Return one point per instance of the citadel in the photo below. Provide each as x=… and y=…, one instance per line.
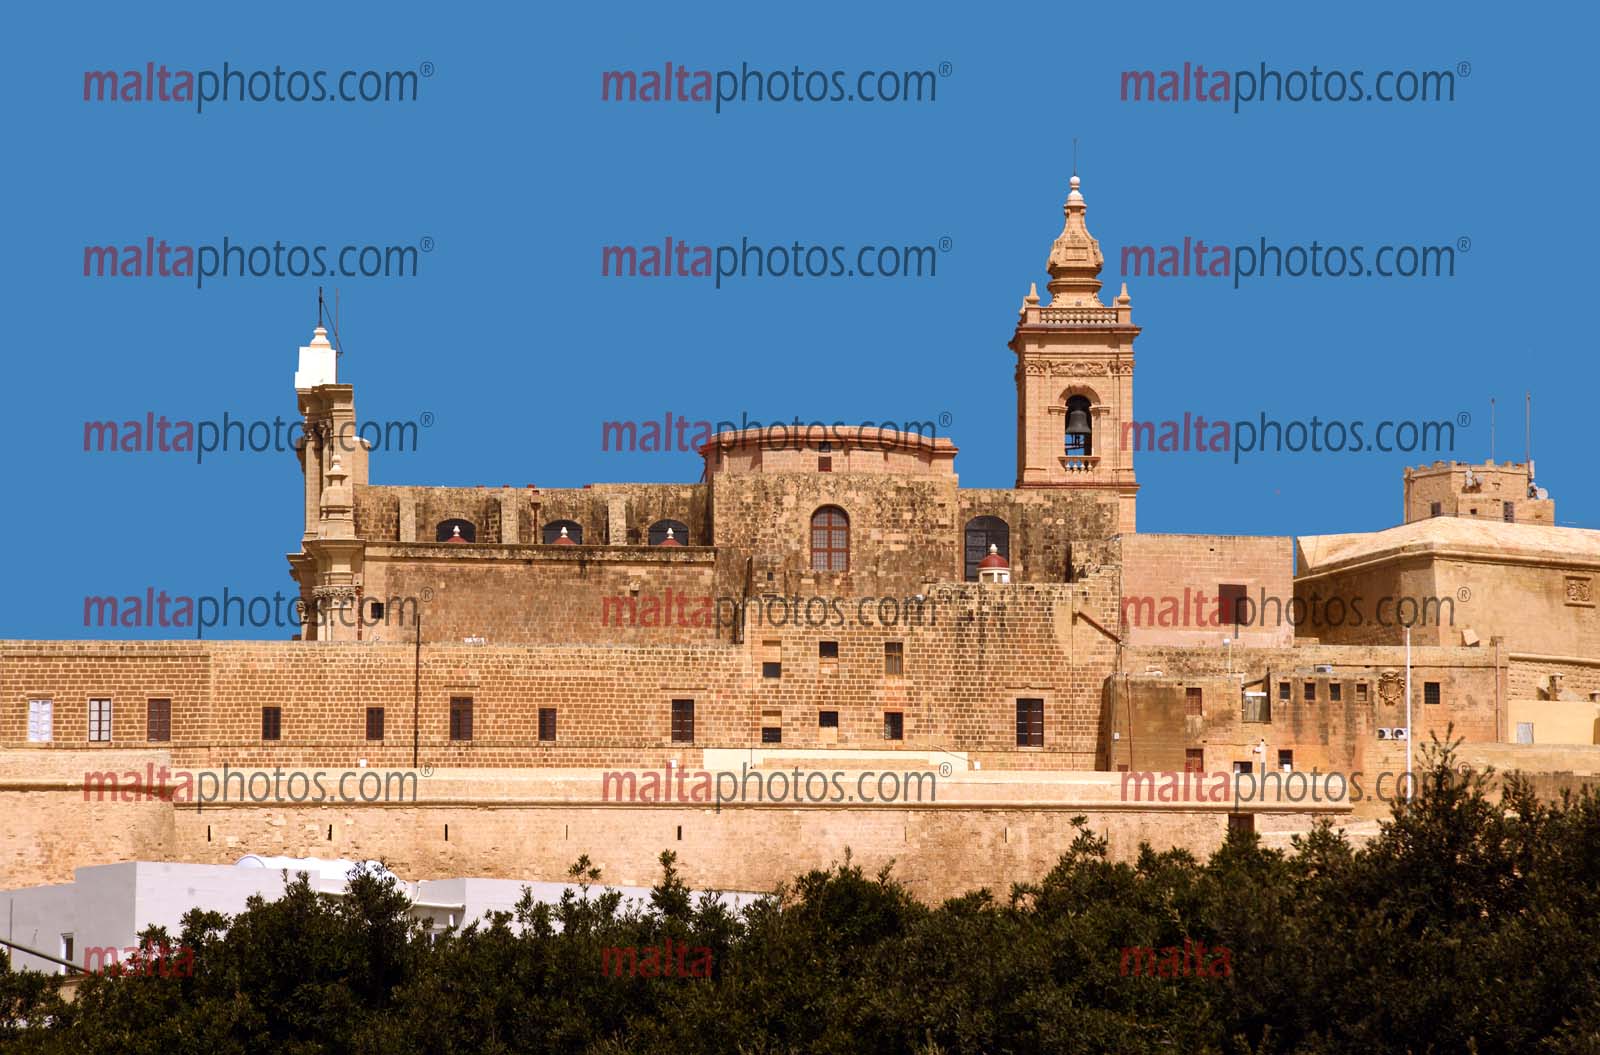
x=1033, y=686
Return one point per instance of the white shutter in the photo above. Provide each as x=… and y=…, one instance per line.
x=99, y=720
x=39, y=721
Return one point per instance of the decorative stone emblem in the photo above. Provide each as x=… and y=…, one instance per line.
x=1084, y=368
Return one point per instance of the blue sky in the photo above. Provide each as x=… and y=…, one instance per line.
x=513, y=344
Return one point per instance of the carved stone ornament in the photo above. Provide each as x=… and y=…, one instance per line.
x=1081, y=368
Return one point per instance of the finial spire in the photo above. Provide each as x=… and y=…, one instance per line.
x=1075, y=258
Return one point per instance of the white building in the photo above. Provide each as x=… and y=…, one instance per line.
x=96, y=919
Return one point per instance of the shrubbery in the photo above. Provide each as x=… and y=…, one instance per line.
x=1467, y=925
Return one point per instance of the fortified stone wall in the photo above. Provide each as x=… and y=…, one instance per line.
x=1368, y=605
x=964, y=659
x=619, y=595
x=1456, y=581
x=1533, y=607
x=50, y=828
x=977, y=829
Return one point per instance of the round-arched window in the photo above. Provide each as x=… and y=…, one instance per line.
x=830, y=539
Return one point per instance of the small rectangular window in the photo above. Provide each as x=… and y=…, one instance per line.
x=825, y=464
x=158, y=719
x=894, y=725
x=772, y=734
x=772, y=670
x=376, y=610
x=99, y=721
x=1241, y=823
x=374, y=723
x=1241, y=768
x=1194, y=760
x=547, y=723
x=1361, y=692
x=67, y=947
x=827, y=719
x=1311, y=692
x=1286, y=761
x=40, y=721
x=894, y=657
x=272, y=723
x=1335, y=691
x=1435, y=508
x=1524, y=732
x=1030, y=723
x=1192, y=702
x=1430, y=692
x=1231, y=609
x=1283, y=690
x=1509, y=512
x=683, y=721
x=828, y=649
x=461, y=717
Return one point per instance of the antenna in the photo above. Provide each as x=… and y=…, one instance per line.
x=1527, y=426
x=1491, y=431
x=1533, y=491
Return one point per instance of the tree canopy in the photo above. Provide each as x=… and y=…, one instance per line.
x=1470, y=923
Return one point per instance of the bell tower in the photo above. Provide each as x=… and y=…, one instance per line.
x=333, y=460
x=1075, y=374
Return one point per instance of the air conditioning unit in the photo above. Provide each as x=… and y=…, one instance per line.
x=1385, y=734
x=1324, y=668
x=1400, y=732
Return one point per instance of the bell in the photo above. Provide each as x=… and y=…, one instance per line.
x=1078, y=422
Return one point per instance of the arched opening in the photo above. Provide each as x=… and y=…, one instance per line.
x=658, y=532
x=830, y=540
x=552, y=533
x=1080, y=428
x=456, y=530
x=983, y=532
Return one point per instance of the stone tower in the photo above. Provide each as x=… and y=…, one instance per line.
x=1075, y=374
x=334, y=461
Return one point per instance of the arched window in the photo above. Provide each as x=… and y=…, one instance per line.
x=983, y=532
x=456, y=529
x=658, y=532
x=1080, y=428
x=552, y=532
x=830, y=540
